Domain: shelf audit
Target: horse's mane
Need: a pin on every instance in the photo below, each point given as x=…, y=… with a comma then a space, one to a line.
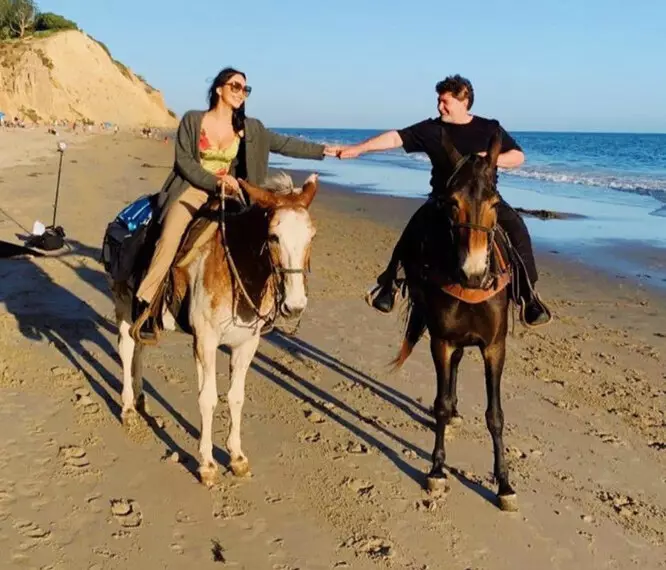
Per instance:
x=281, y=184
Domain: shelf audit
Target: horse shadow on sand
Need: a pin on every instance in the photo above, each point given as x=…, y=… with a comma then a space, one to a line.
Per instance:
x=312, y=394
x=47, y=312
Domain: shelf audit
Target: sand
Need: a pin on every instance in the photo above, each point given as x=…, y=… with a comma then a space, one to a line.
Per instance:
x=338, y=445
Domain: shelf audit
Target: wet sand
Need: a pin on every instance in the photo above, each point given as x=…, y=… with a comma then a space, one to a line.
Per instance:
x=338, y=445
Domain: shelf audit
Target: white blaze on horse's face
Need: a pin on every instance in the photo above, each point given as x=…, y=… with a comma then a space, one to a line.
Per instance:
x=476, y=224
x=476, y=262
x=291, y=232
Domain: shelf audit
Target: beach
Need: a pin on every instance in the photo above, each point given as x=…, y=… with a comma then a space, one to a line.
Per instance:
x=338, y=444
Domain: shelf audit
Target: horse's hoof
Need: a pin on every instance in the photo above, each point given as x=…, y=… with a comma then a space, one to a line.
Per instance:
x=437, y=484
x=208, y=475
x=129, y=417
x=455, y=421
x=240, y=467
x=508, y=503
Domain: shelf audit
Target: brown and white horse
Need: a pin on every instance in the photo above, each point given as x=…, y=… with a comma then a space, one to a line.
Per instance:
x=252, y=268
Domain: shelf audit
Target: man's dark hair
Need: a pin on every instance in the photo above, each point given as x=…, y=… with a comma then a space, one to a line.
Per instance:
x=460, y=87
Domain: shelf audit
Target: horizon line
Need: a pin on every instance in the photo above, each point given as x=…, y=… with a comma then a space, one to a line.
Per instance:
x=595, y=132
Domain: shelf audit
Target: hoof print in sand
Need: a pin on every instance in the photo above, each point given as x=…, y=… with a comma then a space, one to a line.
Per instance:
x=314, y=417
x=83, y=402
x=373, y=547
x=228, y=512
x=426, y=505
x=409, y=454
x=29, y=529
x=357, y=448
x=360, y=487
x=74, y=458
x=127, y=513
x=309, y=436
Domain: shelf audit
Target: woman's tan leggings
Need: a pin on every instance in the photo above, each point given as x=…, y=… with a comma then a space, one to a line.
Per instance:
x=178, y=217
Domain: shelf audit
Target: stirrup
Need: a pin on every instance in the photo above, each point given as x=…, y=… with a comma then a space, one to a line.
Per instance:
x=521, y=312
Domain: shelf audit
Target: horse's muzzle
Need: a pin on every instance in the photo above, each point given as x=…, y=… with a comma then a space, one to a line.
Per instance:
x=289, y=311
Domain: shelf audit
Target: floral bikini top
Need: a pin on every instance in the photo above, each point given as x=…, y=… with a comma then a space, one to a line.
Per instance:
x=217, y=160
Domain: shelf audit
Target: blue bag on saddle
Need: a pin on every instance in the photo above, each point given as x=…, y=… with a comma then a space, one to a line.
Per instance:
x=125, y=236
x=138, y=213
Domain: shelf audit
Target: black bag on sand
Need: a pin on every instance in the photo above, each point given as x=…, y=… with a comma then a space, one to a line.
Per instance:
x=53, y=238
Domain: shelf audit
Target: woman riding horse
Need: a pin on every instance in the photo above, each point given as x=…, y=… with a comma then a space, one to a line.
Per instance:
x=470, y=135
x=213, y=149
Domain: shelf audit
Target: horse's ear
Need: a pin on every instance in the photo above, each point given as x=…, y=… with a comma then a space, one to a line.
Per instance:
x=310, y=188
x=262, y=197
x=495, y=146
x=451, y=151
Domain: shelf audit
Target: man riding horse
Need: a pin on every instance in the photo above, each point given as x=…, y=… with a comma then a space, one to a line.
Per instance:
x=470, y=135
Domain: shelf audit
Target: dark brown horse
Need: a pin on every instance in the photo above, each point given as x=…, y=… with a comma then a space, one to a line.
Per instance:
x=457, y=254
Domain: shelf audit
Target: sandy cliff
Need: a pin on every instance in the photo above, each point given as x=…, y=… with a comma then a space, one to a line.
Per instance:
x=71, y=76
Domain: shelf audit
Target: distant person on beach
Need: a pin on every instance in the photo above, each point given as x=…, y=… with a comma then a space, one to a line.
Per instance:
x=469, y=134
x=213, y=149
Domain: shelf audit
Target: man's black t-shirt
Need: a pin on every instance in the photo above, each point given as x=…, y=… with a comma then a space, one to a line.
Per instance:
x=470, y=138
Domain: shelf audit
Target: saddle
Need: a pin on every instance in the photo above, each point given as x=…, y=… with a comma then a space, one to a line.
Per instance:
x=172, y=293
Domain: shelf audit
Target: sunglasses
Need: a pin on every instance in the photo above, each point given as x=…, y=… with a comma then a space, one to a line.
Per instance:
x=238, y=87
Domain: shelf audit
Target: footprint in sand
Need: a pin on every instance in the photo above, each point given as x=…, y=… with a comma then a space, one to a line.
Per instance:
x=31, y=530
x=6, y=492
x=93, y=501
x=74, y=458
x=314, y=417
x=84, y=403
x=373, y=547
x=356, y=448
x=274, y=499
x=65, y=376
x=228, y=512
x=361, y=487
x=309, y=436
x=607, y=437
x=127, y=513
x=426, y=505
x=230, y=507
x=409, y=453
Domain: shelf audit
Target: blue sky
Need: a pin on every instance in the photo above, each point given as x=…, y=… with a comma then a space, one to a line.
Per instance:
x=584, y=65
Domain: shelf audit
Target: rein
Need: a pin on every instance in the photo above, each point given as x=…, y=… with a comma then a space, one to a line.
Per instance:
x=270, y=316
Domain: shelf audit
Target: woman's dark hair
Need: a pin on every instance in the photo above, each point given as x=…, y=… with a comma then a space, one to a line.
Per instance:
x=222, y=78
x=460, y=87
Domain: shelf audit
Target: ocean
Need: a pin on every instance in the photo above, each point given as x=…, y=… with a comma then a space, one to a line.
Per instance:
x=616, y=183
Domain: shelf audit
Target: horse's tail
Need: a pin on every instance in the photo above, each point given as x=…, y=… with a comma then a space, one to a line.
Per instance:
x=416, y=326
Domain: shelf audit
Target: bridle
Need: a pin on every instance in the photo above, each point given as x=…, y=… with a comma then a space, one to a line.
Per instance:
x=453, y=226
x=278, y=286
